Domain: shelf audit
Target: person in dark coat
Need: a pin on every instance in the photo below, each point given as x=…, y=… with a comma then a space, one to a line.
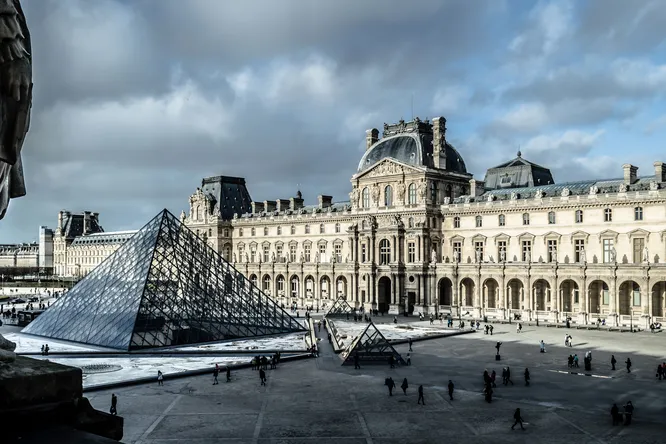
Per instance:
x=527, y=377
x=114, y=404
x=628, y=413
x=228, y=374
x=451, y=386
x=628, y=362
x=404, y=386
x=421, y=395
x=410, y=344
x=488, y=392
x=390, y=384
x=216, y=372
x=518, y=420
x=613, y=362
x=357, y=361
x=615, y=414
x=262, y=376
x=508, y=376
x=391, y=360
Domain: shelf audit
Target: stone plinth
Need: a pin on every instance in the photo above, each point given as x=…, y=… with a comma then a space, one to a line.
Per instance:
x=27, y=382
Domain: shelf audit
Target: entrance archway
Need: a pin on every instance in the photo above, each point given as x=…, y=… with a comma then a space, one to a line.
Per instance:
x=514, y=289
x=341, y=287
x=309, y=287
x=658, y=298
x=570, y=295
x=445, y=292
x=467, y=292
x=599, y=296
x=325, y=287
x=490, y=293
x=629, y=296
x=383, y=294
x=541, y=289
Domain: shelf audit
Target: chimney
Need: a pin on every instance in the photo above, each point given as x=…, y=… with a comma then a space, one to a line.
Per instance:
x=270, y=206
x=630, y=173
x=257, y=207
x=86, y=222
x=371, y=137
x=659, y=172
x=282, y=204
x=476, y=187
x=325, y=201
x=296, y=203
x=60, y=220
x=438, y=141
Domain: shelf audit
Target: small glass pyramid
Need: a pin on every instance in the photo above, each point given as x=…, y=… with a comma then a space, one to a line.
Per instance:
x=371, y=347
x=163, y=287
x=340, y=308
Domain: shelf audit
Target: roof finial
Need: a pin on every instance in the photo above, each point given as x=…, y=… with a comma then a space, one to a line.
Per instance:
x=299, y=195
x=519, y=153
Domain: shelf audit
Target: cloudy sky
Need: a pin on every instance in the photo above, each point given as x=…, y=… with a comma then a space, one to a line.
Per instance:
x=136, y=100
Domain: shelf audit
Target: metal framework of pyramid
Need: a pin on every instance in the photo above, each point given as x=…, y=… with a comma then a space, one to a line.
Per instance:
x=372, y=348
x=162, y=287
x=340, y=308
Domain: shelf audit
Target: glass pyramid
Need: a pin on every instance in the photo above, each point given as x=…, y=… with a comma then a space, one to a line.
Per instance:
x=372, y=348
x=163, y=287
x=340, y=308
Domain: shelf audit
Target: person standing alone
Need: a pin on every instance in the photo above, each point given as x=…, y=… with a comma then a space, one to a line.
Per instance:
x=114, y=405
x=421, y=395
x=160, y=377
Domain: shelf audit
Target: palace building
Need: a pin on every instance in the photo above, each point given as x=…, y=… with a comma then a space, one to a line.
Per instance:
x=420, y=234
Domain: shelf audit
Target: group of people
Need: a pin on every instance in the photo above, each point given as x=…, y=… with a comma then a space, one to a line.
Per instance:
x=45, y=349
x=568, y=340
x=262, y=362
x=390, y=384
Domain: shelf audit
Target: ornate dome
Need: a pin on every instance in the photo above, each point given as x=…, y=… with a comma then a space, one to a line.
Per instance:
x=412, y=149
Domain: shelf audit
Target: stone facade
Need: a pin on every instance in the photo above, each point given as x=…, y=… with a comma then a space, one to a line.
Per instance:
x=19, y=256
x=419, y=234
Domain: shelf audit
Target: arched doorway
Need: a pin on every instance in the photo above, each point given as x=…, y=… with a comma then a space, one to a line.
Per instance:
x=293, y=288
x=490, y=293
x=341, y=287
x=599, y=296
x=254, y=279
x=514, y=290
x=383, y=294
x=325, y=287
x=467, y=292
x=541, y=289
x=570, y=295
x=445, y=292
x=658, y=298
x=266, y=284
x=309, y=287
x=629, y=297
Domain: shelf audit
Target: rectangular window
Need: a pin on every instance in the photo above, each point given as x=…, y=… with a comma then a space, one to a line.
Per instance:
x=478, y=249
x=253, y=253
x=605, y=297
x=322, y=252
x=280, y=285
x=526, y=219
x=638, y=213
x=608, y=250
x=552, y=250
x=278, y=252
x=551, y=217
x=338, y=252
x=457, y=251
x=292, y=253
x=479, y=222
x=501, y=251
x=364, y=253
x=501, y=220
x=639, y=244
x=433, y=192
x=608, y=215
x=267, y=285
x=267, y=253
x=307, y=252
x=411, y=252
x=579, y=246
x=307, y=229
x=527, y=251
x=579, y=216
x=636, y=298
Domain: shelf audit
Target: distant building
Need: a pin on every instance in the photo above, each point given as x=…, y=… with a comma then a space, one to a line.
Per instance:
x=19, y=259
x=45, y=248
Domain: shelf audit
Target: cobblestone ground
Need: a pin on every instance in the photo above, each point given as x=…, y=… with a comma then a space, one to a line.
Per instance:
x=319, y=401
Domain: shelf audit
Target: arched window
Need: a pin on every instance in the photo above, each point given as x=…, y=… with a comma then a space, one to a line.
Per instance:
x=411, y=222
x=479, y=222
x=198, y=212
x=280, y=283
x=501, y=220
x=363, y=225
x=227, y=252
x=526, y=218
x=240, y=232
x=551, y=217
x=411, y=194
x=254, y=231
x=579, y=216
x=279, y=231
x=293, y=229
x=384, y=252
x=322, y=229
x=226, y=232
x=365, y=198
x=267, y=283
x=265, y=231
x=307, y=229
x=456, y=222
x=253, y=279
x=388, y=196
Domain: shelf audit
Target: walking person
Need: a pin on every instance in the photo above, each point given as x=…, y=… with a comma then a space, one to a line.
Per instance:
x=542, y=347
x=628, y=412
x=404, y=386
x=518, y=420
x=613, y=362
x=228, y=374
x=216, y=372
x=451, y=387
x=497, y=347
x=160, y=378
x=508, y=376
x=262, y=376
x=410, y=344
x=421, y=395
x=615, y=414
x=527, y=377
x=390, y=384
x=114, y=405
x=357, y=360
x=628, y=362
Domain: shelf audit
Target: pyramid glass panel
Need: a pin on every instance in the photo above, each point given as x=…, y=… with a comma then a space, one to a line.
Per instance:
x=340, y=308
x=371, y=347
x=163, y=287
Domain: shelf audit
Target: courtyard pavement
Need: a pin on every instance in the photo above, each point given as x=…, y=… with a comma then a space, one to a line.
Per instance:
x=321, y=402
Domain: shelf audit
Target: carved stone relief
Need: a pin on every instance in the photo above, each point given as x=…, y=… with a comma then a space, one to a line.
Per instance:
x=386, y=168
x=594, y=190
x=565, y=192
x=401, y=188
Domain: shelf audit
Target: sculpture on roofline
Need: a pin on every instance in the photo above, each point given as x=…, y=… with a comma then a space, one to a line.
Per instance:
x=15, y=99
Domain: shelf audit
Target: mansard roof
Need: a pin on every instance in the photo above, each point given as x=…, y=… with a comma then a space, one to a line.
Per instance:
x=517, y=173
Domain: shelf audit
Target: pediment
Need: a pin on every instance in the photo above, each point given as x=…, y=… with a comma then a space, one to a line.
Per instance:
x=609, y=234
x=479, y=238
x=388, y=167
x=502, y=237
x=457, y=238
x=526, y=235
x=579, y=235
x=638, y=232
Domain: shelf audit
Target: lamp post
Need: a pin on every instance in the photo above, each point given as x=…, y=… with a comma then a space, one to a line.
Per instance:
x=537, y=312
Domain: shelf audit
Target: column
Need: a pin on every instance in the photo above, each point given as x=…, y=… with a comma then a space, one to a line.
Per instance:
x=418, y=248
x=433, y=291
x=394, y=250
